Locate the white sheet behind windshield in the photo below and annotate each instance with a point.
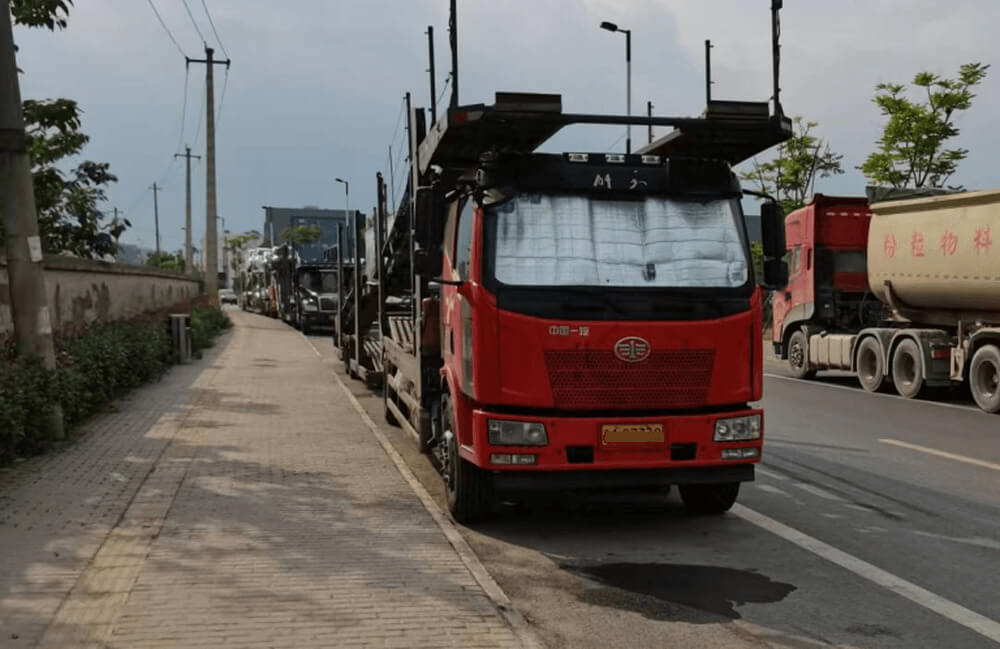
(546, 240)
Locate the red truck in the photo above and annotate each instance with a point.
(902, 293)
(573, 320)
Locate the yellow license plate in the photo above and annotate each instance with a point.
(631, 433)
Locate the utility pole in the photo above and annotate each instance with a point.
(211, 252)
(114, 220)
(392, 182)
(430, 55)
(453, 37)
(156, 220)
(188, 259)
(649, 113)
(25, 273)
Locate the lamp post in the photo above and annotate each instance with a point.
(612, 27)
(347, 204)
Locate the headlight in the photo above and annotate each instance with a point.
(309, 306)
(516, 433)
(737, 429)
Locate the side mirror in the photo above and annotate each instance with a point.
(775, 274)
(428, 262)
(772, 230)
(428, 223)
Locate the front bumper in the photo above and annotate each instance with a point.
(578, 448)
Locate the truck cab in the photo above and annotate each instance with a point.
(827, 288)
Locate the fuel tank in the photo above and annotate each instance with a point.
(939, 254)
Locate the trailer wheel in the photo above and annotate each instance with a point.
(984, 378)
(469, 488)
(709, 498)
(871, 365)
(798, 356)
(908, 369)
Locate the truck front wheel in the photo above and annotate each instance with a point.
(871, 366)
(469, 488)
(908, 369)
(984, 378)
(798, 356)
(709, 498)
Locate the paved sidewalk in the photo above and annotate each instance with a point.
(240, 502)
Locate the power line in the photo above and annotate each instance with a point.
(222, 99)
(166, 29)
(212, 23)
(180, 138)
(193, 22)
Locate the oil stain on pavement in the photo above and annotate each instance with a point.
(688, 593)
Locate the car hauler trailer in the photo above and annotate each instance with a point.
(576, 320)
(905, 293)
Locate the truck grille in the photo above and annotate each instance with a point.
(326, 304)
(596, 379)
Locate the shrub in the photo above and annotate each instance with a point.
(94, 366)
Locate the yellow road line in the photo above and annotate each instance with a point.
(950, 456)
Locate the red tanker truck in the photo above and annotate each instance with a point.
(903, 293)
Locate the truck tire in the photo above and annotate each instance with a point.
(871, 365)
(709, 498)
(908, 369)
(469, 488)
(984, 378)
(798, 356)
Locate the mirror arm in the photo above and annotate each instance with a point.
(447, 282)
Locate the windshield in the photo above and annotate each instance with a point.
(568, 240)
(319, 281)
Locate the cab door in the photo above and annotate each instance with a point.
(456, 317)
(794, 304)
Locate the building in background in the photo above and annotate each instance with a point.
(277, 219)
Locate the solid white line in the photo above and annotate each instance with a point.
(874, 394)
(945, 454)
(920, 596)
(770, 474)
(519, 626)
(817, 491)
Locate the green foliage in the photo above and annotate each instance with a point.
(66, 201)
(757, 253)
(911, 151)
(94, 366)
(50, 14)
(166, 260)
(302, 234)
(206, 324)
(791, 175)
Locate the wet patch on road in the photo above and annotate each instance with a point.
(696, 594)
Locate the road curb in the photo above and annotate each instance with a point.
(522, 630)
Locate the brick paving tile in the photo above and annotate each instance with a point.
(240, 502)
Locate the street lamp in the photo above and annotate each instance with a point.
(347, 202)
(612, 27)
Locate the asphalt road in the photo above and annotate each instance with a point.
(874, 522)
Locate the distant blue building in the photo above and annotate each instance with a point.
(277, 219)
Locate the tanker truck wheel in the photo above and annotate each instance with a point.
(908, 369)
(709, 498)
(469, 488)
(871, 365)
(984, 378)
(798, 356)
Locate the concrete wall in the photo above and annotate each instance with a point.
(82, 291)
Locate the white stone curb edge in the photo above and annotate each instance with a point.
(524, 633)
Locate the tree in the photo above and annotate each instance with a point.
(166, 260)
(302, 234)
(911, 151)
(66, 202)
(791, 175)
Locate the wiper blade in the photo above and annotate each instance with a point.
(593, 292)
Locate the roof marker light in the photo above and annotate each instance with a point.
(578, 157)
(650, 159)
(618, 158)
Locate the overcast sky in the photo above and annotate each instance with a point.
(316, 86)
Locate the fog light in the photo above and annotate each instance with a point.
(515, 458)
(740, 453)
(502, 432)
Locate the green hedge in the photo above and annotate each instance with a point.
(94, 366)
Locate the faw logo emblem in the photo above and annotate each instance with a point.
(632, 349)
